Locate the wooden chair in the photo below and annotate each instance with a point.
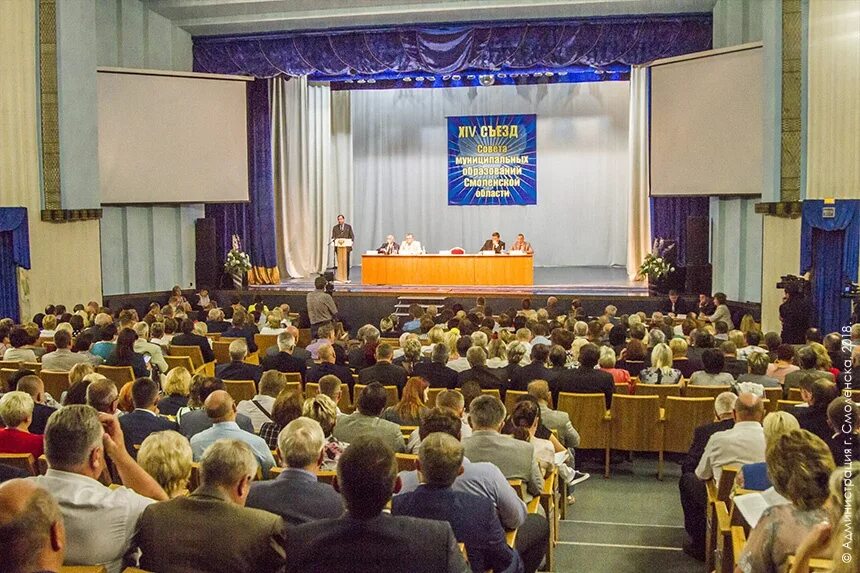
(213, 336)
(326, 476)
(739, 539)
(176, 361)
(294, 377)
(706, 391)
(492, 392)
(786, 405)
(511, 399)
(264, 341)
(391, 392)
(119, 374)
(275, 471)
(393, 342)
(519, 487)
(406, 462)
(622, 388)
(724, 558)
(42, 465)
(221, 349)
(547, 502)
(193, 352)
(660, 390)
(50, 346)
(773, 396)
(589, 416)
(432, 393)
(304, 337)
(21, 461)
(55, 382)
(681, 417)
(717, 492)
(636, 426)
(816, 565)
(10, 364)
(241, 389)
(84, 569)
(5, 376)
(291, 386)
(794, 395)
(406, 431)
(194, 478)
(34, 366)
(312, 389)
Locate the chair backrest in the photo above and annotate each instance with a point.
(390, 391)
(659, 390)
(588, 415)
(175, 361)
(264, 341)
(727, 481)
(42, 465)
(291, 386)
(795, 395)
(406, 462)
(311, 389)
(213, 336)
(519, 487)
(622, 388)
(294, 377)
(773, 396)
(432, 393)
(6, 375)
(392, 342)
(275, 472)
(87, 569)
(304, 337)
(786, 405)
(511, 399)
(10, 364)
(682, 417)
(194, 479)
(21, 461)
(50, 346)
(192, 352)
(706, 391)
(636, 423)
(241, 389)
(492, 392)
(326, 476)
(119, 374)
(34, 366)
(221, 349)
(55, 382)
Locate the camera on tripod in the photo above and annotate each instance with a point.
(852, 291)
(329, 281)
(793, 284)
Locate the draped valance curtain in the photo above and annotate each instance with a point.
(829, 249)
(14, 253)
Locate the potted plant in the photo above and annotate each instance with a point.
(237, 264)
(659, 265)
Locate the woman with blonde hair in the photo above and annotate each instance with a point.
(324, 410)
(661, 370)
(411, 407)
(497, 354)
(606, 362)
(177, 386)
(822, 359)
(754, 476)
(411, 355)
(167, 457)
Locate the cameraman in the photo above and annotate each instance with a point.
(795, 313)
(321, 306)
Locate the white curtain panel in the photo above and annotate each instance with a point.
(400, 170)
(639, 209)
(340, 197)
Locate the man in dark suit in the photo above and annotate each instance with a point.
(144, 420)
(343, 231)
(284, 361)
(237, 369)
(474, 519)
(733, 366)
(479, 372)
(366, 538)
(844, 442)
(211, 530)
(585, 379)
(807, 360)
(694, 497)
(536, 370)
(817, 393)
(365, 355)
(188, 338)
(33, 385)
(215, 321)
(674, 304)
(494, 244)
(389, 247)
(384, 371)
(328, 366)
(437, 374)
(196, 421)
(296, 494)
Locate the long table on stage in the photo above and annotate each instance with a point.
(447, 269)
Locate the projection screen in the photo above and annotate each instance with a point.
(706, 123)
(166, 138)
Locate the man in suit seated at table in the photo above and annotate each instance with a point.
(296, 494)
(494, 243)
(328, 367)
(473, 519)
(384, 371)
(211, 529)
(585, 379)
(436, 372)
(410, 246)
(144, 420)
(674, 304)
(237, 368)
(284, 361)
(366, 420)
(389, 247)
(365, 538)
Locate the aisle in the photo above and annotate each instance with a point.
(630, 523)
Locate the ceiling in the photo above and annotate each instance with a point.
(211, 17)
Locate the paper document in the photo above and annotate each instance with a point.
(752, 505)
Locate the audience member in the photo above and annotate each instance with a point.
(215, 322)
(843, 417)
(284, 361)
(753, 340)
(242, 327)
(34, 386)
(554, 419)
(713, 362)
(332, 387)
(102, 394)
(177, 387)
(535, 370)
(586, 379)
(32, 534)
(143, 346)
(478, 371)
(366, 421)
(259, 408)
(19, 339)
(62, 359)
(328, 366)
(457, 360)
(807, 360)
(16, 412)
(436, 372)
(324, 410)
(365, 355)
(754, 476)
(383, 371)
(287, 407)
(607, 363)
(813, 417)
(758, 363)
(411, 407)
(123, 354)
(144, 419)
(167, 457)
(237, 368)
(742, 444)
(661, 370)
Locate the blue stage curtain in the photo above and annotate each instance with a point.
(253, 222)
(829, 247)
(669, 219)
(14, 253)
(446, 49)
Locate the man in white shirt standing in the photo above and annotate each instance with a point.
(743, 444)
(99, 521)
(410, 246)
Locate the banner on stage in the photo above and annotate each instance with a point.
(492, 160)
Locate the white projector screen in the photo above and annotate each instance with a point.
(172, 138)
(707, 124)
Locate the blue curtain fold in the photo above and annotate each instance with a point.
(829, 248)
(669, 219)
(14, 253)
(446, 49)
(253, 222)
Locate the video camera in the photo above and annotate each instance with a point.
(329, 281)
(852, 291)
(793, 284)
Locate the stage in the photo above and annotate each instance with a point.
(548, 281)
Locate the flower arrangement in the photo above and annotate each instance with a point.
(658, 264)
(238, 263)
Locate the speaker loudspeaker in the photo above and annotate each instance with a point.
(698, 239)
(206, 268)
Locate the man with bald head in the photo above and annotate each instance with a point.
(221, 410)
(31, 528)
(743, 444)
(103, 395)
(328, 366)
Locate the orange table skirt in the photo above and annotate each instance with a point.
(447, 269)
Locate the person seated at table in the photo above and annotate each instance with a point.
(410, 246)
(522, 245)
(389, 247)
(674, 304)
(494, 243)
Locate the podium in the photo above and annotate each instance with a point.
(342, 248)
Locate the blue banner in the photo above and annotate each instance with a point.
(492, 160)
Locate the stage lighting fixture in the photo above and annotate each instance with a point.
(431, 79)
(371, 81)
(419, 79)
(446, 78)
(470, 77)
(562, 73)
(503, 75)
(548, 74)
(362, 81)
(455, 78)
(486, 80)
(407, 79)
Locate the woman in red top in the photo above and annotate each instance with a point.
(16, 411)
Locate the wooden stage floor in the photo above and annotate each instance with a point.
(561, 281)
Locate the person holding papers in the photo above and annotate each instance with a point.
(410, 246)
(494, 244)
(389, 247)
(522, 246)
